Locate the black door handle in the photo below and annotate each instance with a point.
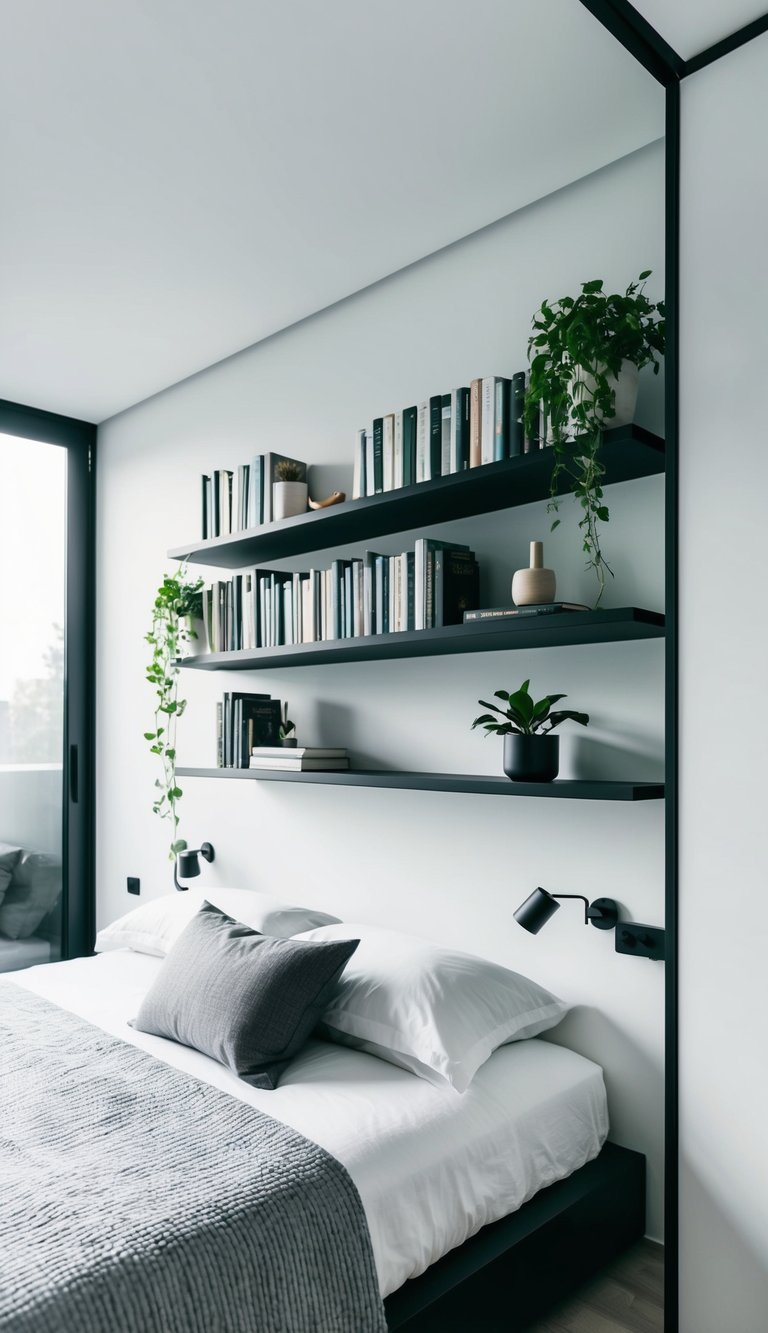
(73, 774)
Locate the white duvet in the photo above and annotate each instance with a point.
(431, 1166)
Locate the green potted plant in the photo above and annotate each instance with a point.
(531, 752)
(585, 354)
(176, 610)
(289, 490)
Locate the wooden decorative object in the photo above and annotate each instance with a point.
(335, 498)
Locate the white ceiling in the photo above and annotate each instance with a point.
(183, 178)
(690, 26)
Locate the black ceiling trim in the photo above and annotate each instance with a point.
(639, 38)
(739, 38)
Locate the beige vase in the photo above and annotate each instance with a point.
(535, 584)
(625, 387)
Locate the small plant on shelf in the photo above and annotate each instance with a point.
(287, 470)
(178, 603)
(582, 350)
(531, 752)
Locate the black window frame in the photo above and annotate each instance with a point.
(78, 790)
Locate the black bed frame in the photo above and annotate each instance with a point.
(515, 1270)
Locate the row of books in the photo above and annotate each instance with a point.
(432, 585)
(243, 721)
(449, 432)
(299, 759)
(234, 500)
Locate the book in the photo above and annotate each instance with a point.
(435, 441)
(298, 752)
(410, 417)
(422, 441)
(287, 765)
(458, 451)
(378, 455)
(445, 436)
(475, 423)
(397, 478)
(494, 429)
(388, 452)
(456, 586)
(369, 477)
(358, 478)
(424, 577)
(256, 492)
(248, 720)
(271, 461)
(509, 612)
(517, 414)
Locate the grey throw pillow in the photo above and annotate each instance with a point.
(248, 1000)
(8, 858)
(32, 893)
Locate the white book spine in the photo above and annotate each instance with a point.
(388, 451)
(453, 447)
(422, 442)
(370, 488)
(445, 439)
(488, 420)
(419, 582)
(358, 478)
(398, 469)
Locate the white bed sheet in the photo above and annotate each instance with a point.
(431, 1166)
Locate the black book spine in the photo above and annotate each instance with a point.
(216, 527)
(435, 435)
(461, 588)
(204, 506)
(501, 419)
(462, 429)
(517, 409)
(410, 419)
(378, 455)
(410, 560)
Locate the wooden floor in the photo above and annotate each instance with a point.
(627, 1297)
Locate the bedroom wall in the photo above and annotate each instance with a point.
(723, 645)
(452, 867)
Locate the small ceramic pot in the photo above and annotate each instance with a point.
(531, 758)
(534, 585)
(191, 636)
(625, 387)
(289, 498)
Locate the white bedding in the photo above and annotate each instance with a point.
(431, 1166)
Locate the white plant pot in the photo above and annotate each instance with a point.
(289, 498)
(625, 386)
(189, 645)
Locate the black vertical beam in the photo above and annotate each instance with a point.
(671, 414)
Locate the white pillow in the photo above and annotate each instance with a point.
(155, 926)
(434, 1011)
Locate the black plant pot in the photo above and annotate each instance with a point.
(531, 758)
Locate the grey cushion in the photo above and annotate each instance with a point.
(246, 999)
(32, 893)
(8, 858)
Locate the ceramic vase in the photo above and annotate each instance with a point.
(191, 636)
(289, 498)
(535, 584)
(625, 387)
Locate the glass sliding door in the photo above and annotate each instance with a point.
(45, 686)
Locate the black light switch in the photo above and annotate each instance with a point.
(134, 885)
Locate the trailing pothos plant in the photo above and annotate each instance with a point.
(523, 717)
(576, 352)
(177, 599)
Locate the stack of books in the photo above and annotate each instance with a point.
(243, 721)
(449, 432)
(434, 584)
(233, 501)
(298, 759)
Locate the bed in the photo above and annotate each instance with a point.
(450, 1184)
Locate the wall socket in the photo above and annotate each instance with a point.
(134, 885)
(643, 941)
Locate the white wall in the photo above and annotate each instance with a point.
(456, 866)
(723, 900)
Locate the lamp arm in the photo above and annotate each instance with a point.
(182, 888)
(581, 899)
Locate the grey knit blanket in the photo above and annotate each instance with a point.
(135, 1199)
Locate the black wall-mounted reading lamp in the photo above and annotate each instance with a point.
(631, 936)
(187, 864)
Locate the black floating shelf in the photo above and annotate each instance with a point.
(548, 631)
(627, 453)
(562, 789)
